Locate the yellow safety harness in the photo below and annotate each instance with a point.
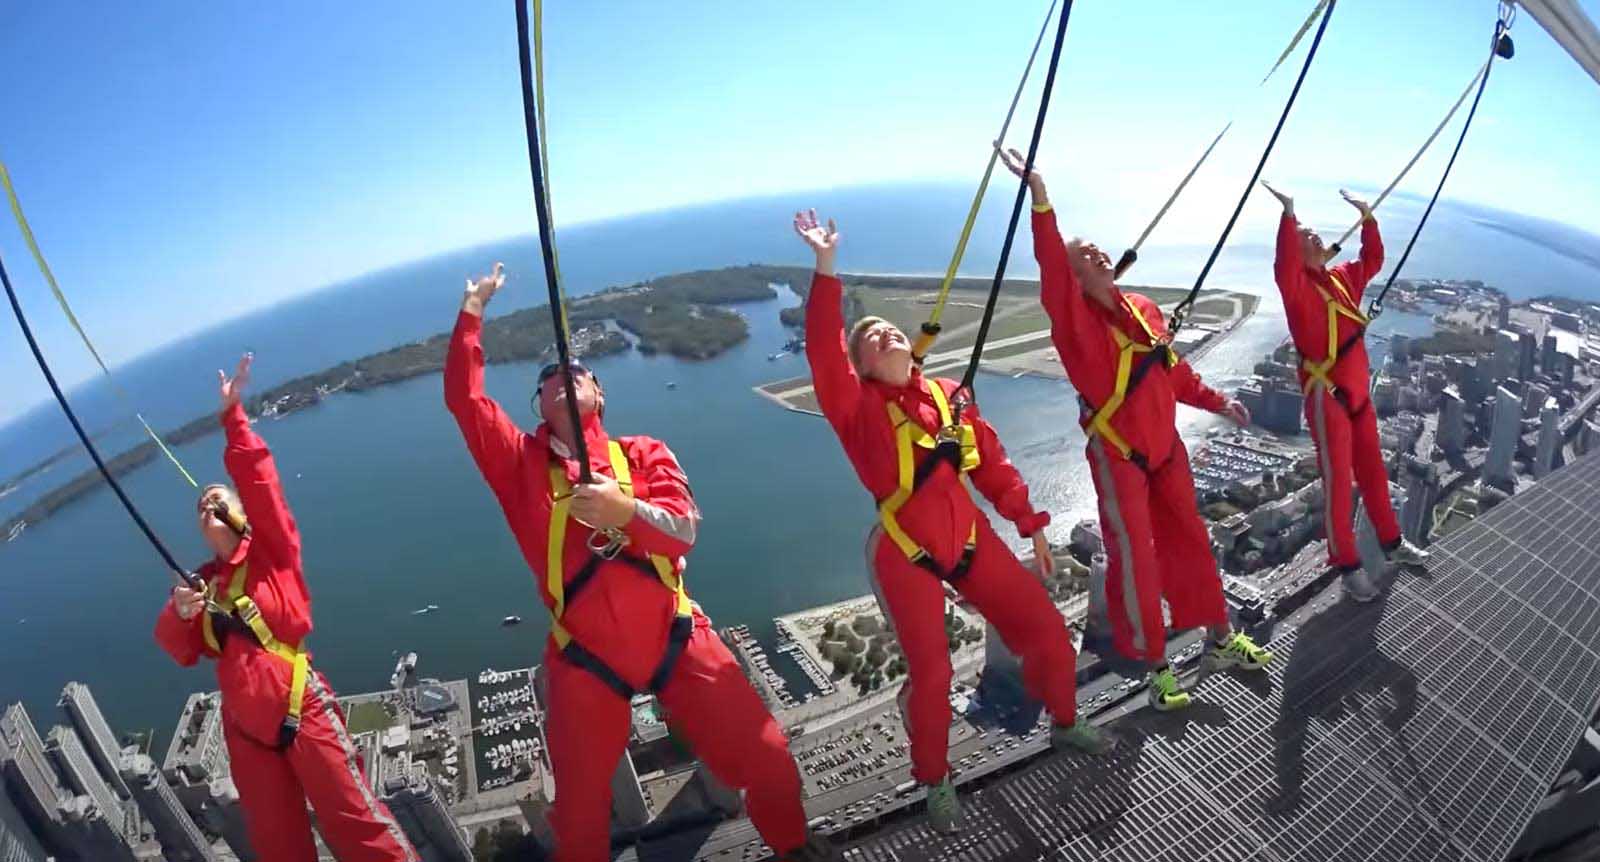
(563, 591)
(955, 444)
(1097, 422)
(1319, 373)
(236, 610)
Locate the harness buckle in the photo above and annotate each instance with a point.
(950, 433)
(607, 544)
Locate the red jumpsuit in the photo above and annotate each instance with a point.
(939, 516)
(623, 618)
(1157, 546)
(1344, 427)
(322, 764)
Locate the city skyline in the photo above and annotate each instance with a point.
(295, 161)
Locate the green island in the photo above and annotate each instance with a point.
(679, 314)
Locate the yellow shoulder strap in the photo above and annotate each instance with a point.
(1149, 331)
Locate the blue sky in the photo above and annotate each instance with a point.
(185, 162)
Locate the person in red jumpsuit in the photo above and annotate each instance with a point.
(281, 757)
(1157, 545)
(1334, 377)
(631, 632)
(867, 386)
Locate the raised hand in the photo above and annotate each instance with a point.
(1287, 201)
(824, 241)
(1358, 203)
(231, 389)
(482, 290)
(1017, 164)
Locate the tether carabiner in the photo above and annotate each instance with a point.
(607, 544)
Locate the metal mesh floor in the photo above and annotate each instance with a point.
(1426, 725)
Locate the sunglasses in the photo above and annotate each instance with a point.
(550, 370)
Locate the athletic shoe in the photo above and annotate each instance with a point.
(944, 807)
(1080, 737)
(1165, 694)
(1358, 586)
(816, 849)
(1407, 554)
(1238, 651)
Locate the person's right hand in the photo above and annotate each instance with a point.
(188, 602)
(1288, 202)
(1017, 164)
(482, 290)
(231, 389)
(823, 240)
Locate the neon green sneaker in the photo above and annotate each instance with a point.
(1165, 693)
(1080, 737)
(1238, 651)
(944, 807)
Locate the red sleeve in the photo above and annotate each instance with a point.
(665, 518)
(1059, 291)
(997, 479)
(179, 637)
(492, 438)
(834, 378)
(255, 476)
(1287, 265)
(1359, 273)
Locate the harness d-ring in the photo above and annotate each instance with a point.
(607, 543)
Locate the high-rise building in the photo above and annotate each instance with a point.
(1422, 495)
(1547, 354)
(31, 780)
(1451, 435)
(224, 816)
(1534, 396)
(1588, 437)
(74, 765)
(1507, 348)
(197, 752)
(1549, 446)
(1497, 468)
(17, 841)
(181, 840)
(94, 732)
(1527, 354)
(1503, 319)
(629, 808)
(425, 818)
(93, 834)
(1400, 347)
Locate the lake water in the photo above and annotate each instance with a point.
(395, 517)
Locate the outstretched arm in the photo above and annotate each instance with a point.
(1365, 268)
(1186, 383)
(837, 386)
(1059, 291)
(255, 475)
(1287, 264)
(491, 436)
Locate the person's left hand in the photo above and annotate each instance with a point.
(1358, 203)
(1043, 562)
(232, 388)
(602, 504)
(1237, 412)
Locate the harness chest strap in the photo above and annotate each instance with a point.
(243, 609)
(1317, 373)
(555, 562)
(1099, 423)
(908, 437)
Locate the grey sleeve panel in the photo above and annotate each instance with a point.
(680, 527)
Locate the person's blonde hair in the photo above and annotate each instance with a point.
(853, 343)
(236, 517)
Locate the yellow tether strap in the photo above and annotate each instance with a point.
(555, 555)
(925, 339)
(247, 612)
(908, 435)
(61, 299)
(1317, 372)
